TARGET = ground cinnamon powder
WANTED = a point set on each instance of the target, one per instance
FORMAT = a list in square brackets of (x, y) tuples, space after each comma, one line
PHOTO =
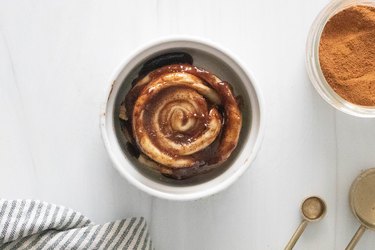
[(347, 54)]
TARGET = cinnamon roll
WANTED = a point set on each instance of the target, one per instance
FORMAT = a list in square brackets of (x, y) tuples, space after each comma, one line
[(180, 119)]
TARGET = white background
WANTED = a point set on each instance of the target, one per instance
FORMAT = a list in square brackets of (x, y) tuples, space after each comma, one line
[(55, 59)]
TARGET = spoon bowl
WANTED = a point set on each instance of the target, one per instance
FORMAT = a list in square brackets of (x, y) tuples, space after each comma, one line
[(313, 208), (362, 202)]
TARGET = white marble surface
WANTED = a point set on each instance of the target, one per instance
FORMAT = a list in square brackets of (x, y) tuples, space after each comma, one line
[(55, 58)]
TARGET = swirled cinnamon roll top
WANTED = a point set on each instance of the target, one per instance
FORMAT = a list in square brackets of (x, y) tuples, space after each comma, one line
[(183, 120)]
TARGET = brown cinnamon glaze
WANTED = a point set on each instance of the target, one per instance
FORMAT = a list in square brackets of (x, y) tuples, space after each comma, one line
[(181, 120)]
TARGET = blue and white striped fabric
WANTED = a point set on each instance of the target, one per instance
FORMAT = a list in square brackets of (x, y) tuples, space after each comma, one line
[(28, 224)]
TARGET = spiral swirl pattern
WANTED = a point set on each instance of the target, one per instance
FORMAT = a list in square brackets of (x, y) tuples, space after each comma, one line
[(183, 117)]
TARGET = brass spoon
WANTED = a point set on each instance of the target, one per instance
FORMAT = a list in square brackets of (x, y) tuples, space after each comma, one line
[(313, 209), (362, 201)]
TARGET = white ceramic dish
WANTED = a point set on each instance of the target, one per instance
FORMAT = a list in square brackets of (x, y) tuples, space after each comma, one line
[(215, 59)]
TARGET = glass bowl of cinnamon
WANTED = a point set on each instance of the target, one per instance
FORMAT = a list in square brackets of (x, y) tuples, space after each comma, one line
[(340, 56)]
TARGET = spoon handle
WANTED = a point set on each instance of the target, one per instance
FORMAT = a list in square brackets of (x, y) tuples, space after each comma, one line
[(296, 235), (356, 238)]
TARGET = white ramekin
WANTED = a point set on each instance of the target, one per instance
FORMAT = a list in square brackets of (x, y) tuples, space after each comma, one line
[(222, 63)]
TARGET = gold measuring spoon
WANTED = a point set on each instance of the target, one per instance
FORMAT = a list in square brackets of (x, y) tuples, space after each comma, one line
[(313, 209), (362, 201)]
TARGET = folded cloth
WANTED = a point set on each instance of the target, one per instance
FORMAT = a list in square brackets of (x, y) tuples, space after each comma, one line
[(29, 224)]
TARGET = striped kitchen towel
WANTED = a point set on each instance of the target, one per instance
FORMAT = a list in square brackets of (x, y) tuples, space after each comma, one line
[(29, 224)]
